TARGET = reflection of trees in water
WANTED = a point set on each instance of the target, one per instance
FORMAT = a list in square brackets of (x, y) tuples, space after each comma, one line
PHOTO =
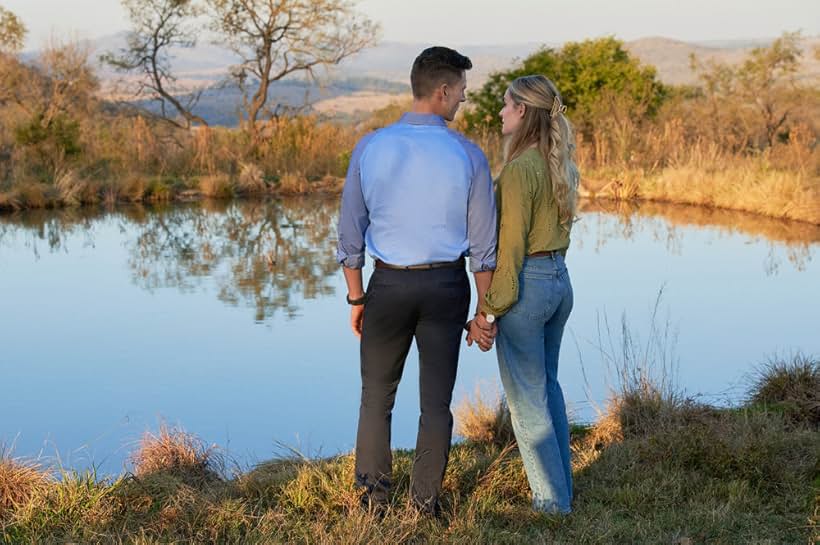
[(608, 220), (267, 254), (49, 228), (262, 253)]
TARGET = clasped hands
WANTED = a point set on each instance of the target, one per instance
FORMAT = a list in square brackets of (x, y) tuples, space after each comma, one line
[(481, 332)]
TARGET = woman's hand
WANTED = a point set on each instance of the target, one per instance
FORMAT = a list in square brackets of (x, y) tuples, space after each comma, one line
[(481, 332)]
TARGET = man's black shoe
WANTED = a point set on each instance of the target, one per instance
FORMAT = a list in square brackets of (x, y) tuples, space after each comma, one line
[(373, 506), (428, 508)]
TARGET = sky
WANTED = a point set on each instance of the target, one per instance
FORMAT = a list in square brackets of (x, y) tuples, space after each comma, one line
[(486, 22)]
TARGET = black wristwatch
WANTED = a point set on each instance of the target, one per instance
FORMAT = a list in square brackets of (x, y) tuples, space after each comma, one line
[(356, 302)]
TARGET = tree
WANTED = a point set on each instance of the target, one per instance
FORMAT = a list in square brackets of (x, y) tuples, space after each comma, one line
[(766, 79), (764, 83), (590, 75), (45, 102), (12, 32), (158, 26), (276, 38), (58, 96)]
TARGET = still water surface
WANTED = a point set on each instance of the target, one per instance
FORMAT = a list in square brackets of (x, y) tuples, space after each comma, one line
[(228, 319)]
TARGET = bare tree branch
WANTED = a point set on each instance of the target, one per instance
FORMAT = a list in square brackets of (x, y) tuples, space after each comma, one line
[(157, 26), (276, 38)]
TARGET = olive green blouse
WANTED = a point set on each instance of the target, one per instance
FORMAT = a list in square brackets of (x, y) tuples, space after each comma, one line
[(528, 223)]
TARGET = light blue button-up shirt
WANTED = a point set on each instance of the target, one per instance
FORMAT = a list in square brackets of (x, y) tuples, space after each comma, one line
[(417, 192)]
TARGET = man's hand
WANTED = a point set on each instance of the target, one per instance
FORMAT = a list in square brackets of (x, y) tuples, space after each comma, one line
[(353, 279), (482, 333), (356, 319)]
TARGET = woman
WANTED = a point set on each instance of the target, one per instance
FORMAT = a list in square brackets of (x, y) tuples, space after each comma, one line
[(531, 295)]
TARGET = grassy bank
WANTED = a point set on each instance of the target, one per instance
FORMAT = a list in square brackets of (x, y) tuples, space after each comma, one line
[(133, 160), (748, 185), (655, 468)]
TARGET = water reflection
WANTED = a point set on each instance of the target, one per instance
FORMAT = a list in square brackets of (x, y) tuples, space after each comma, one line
[(268, 255), (48, 227), (665, 223), (259, 254)]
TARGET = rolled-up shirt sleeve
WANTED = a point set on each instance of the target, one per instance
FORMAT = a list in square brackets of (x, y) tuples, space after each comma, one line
[(481, 219), (353, 217)]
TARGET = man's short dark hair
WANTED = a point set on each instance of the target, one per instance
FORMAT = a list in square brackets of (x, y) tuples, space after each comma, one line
[(435, 66)]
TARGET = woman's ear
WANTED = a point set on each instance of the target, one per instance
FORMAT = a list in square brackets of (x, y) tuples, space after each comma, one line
[(521, 109)]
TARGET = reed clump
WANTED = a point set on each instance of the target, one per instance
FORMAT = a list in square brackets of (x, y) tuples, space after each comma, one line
[(791, 386), (175, 451), (20, 482), (482, 421)]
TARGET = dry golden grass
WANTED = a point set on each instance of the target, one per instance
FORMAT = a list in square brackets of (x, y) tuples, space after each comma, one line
[(251, 179), (73, 190), (749, 186), (20, 481), (482, 421), (173, 450), (606, 431), (31, 195), (216, 186), (293, 183)]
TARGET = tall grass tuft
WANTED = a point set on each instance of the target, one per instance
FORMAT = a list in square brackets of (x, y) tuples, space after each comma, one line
[(480, 421), (174, 451), (791, 386), (216, 186), (251, 179), (20, 481), (644, 392), (73, 190)]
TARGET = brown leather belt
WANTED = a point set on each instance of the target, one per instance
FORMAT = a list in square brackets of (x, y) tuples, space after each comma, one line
[(550, 253), (424, 267)]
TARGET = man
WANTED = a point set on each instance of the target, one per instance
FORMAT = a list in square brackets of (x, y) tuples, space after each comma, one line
[(419, 197)]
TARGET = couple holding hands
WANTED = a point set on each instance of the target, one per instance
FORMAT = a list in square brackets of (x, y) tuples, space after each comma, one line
[(419, 197)]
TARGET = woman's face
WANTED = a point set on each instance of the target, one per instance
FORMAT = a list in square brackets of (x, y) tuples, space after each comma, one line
[(511, 115)]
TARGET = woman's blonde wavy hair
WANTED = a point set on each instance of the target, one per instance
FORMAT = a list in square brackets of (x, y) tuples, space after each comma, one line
[(545, 126)]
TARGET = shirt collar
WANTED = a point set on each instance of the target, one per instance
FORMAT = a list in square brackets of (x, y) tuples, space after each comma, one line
[(423, 119)]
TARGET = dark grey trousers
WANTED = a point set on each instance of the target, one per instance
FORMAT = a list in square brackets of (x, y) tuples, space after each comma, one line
[(430, 306)]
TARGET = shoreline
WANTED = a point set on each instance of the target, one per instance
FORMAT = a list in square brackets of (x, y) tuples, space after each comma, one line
[(654, 468), (622, 189)]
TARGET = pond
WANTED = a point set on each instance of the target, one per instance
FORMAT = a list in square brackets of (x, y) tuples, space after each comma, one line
[(228, 319)]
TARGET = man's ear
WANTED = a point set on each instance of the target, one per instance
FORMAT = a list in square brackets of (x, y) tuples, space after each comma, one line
[(442, 91)]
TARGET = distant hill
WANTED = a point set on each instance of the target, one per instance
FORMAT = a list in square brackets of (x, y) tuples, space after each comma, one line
[(221, 105), (376, 74), (671, 57), (392, 60)]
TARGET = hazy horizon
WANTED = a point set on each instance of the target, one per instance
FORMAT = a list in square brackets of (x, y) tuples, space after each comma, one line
[(466, 23)]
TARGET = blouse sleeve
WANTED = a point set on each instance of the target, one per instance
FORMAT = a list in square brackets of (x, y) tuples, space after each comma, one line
[(514, 200)]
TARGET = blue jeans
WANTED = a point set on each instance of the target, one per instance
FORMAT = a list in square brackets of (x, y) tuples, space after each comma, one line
[(528, 342)]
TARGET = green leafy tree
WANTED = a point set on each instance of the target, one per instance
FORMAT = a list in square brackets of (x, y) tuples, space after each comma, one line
[(592, 75), (12, 32)]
